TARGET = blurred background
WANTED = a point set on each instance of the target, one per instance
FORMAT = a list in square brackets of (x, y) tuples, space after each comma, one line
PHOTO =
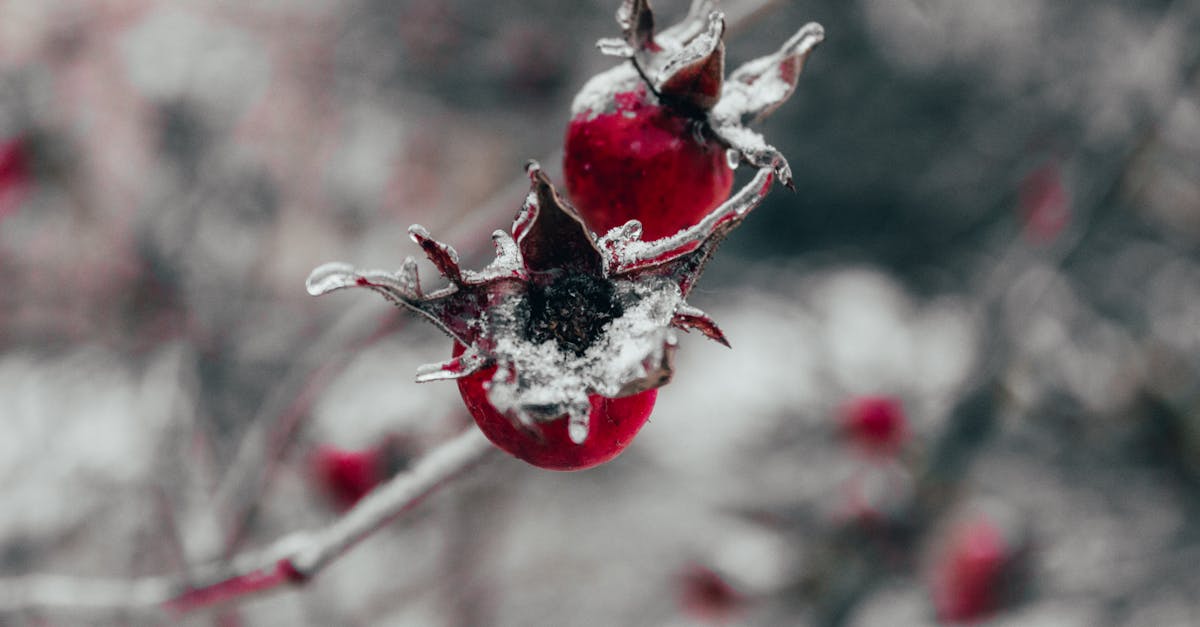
[(965, 376)]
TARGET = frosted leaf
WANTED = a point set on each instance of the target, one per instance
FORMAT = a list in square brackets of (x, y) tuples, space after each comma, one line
[(751, 146), (757, 88), (688, 317), (691, 26), (507, 264), (623, 253), (610, 47), (329, 277), (465, 364), (637, 23), (693, 75), (442, 255)]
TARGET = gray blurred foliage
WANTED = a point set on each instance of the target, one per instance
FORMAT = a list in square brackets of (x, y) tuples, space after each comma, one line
[(190, 163)]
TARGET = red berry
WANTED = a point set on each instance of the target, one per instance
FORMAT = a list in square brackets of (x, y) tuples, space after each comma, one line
[(562, 339), (643, 161), (876, 423), (705, 596), (1045, 204), (975, 574), (652, 140), (15, 174), (613, 424), (345, 476)]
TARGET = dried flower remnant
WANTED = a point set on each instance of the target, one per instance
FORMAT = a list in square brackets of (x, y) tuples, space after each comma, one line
[(668, 125), (564, 331)]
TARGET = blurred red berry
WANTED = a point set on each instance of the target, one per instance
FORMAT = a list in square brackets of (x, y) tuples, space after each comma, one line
[(705, 596), (653, 139), (345, 476), (974, 574), (16, 174), (1045, 203), (875, 423)]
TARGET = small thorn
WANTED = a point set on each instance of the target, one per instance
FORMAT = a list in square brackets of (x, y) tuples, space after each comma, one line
[(442, 255)]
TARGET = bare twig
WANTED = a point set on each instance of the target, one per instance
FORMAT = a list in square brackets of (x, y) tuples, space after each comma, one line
[(291, 560)]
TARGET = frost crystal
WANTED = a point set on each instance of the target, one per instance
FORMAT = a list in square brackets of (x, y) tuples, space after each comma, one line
[(561, 313)]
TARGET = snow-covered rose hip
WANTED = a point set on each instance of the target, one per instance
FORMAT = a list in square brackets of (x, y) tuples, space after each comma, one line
[(654, 139), (561, 341)]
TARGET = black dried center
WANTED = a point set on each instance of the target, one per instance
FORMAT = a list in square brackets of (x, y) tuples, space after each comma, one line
[(572, 310)]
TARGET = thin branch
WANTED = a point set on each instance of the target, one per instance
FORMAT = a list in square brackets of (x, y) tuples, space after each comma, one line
[(291, 560)]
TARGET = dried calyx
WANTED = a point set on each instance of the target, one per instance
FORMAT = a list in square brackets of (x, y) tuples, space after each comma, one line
[(684, 67), (561, 313)]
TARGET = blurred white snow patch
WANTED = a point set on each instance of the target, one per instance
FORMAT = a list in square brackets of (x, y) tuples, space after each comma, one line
[(865, 318), (365, 160), (925, 34), (1061, 343), (77, 426), (758, 560), (1111, 61), (177, 54), (1055, 613), (723, 400), (878, 340), (800, 353), (376, 393), (897, 603)]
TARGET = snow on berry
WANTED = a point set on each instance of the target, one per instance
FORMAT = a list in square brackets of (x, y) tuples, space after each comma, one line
[(656, 139), (559, 318)]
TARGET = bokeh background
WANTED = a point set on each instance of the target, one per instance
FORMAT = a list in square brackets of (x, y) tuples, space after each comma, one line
[(965, 382)]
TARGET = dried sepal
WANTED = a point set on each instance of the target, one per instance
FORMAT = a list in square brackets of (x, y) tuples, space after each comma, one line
[(683, 254), (688, 317), (561, 315), (693, 76), (758, 87), (550, 233)]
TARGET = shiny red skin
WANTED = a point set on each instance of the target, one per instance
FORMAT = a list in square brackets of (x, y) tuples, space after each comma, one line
[(614, 423), (643, 161)]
